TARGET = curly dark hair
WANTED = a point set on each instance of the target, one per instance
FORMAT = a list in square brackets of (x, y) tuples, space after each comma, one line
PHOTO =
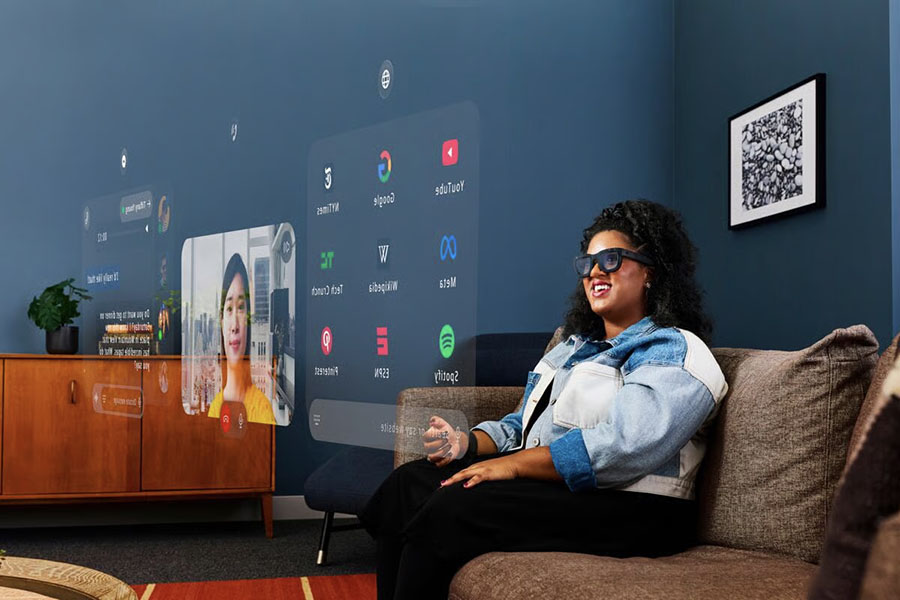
[(674, 299)]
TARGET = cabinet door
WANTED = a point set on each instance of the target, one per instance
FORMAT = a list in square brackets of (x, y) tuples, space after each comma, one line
[(182, 451), (61, 437), (1, 426)]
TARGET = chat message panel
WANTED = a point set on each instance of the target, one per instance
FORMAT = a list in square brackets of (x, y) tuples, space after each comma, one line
[(126, 249)]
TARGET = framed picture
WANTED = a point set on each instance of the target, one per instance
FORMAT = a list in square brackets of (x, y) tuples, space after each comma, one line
[(776, 155)]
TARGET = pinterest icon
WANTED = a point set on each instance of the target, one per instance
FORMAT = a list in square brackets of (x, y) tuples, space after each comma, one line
[(327, 341)]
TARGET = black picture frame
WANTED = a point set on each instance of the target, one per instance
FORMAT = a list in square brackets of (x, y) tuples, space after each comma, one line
[(776, 155)]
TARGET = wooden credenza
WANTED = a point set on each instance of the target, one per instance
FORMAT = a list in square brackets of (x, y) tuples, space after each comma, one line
[(89, 429)]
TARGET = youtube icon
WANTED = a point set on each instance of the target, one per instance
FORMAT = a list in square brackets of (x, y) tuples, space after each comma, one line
[(450, 153)]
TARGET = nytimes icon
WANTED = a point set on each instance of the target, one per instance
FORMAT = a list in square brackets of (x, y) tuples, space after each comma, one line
[(328, 177)]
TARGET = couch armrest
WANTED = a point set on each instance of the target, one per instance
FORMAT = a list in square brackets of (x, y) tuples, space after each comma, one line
[(881, 578), (477, 404)]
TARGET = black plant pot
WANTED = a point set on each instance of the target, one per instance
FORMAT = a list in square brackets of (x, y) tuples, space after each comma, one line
[(63, 340)]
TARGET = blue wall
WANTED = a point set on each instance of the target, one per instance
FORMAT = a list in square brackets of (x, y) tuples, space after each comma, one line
[(895, 154), (788, 283), (575, 108)]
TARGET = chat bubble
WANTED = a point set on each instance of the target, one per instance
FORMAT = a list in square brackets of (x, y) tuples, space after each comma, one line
[(134, 207), (104, 277)]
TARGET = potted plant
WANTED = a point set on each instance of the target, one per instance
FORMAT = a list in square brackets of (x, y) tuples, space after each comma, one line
[(54, 310)]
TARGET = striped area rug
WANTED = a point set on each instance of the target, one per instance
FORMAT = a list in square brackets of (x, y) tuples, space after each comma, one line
[(325, 587)]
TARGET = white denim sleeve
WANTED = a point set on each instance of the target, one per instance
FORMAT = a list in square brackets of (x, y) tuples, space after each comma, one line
[(653, 415)]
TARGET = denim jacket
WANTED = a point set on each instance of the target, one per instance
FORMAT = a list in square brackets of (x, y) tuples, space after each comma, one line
[(630, 413)]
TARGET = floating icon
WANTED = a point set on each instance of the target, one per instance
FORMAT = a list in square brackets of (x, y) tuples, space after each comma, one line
[(448, 247), (328, 177), (123, 159), (446, 341), (381, 341), (234, 131), (384, 166), (287, 245), (450, 153), (385, 79), (327, 341), (384, 249)]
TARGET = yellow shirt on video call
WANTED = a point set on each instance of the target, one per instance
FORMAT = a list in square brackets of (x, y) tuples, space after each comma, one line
[(258, 407)]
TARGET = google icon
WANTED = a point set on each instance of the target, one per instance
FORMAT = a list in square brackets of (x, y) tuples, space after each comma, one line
[(384, 166)]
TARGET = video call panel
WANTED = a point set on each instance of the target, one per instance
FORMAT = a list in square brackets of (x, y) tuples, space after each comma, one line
[(238, 321), (392, 252)]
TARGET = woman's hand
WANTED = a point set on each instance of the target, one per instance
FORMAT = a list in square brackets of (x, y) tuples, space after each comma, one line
[(443, 443), (495, 469)]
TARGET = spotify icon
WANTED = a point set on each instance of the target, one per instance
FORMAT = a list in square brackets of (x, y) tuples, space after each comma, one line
[(446, 341)]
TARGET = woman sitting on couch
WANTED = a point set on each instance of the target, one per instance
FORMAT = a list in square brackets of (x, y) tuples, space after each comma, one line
[(602, 456)]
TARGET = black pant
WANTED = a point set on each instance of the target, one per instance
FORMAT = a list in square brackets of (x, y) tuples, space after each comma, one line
[(425, 533)]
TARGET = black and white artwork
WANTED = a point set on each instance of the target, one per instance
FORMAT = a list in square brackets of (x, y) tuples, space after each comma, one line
[(775, 155)]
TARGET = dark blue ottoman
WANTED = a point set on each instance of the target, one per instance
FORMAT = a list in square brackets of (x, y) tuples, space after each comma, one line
[(344, 484)]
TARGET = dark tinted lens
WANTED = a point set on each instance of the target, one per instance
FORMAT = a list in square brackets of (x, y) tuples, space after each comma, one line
[(583, 265), (608, 261)]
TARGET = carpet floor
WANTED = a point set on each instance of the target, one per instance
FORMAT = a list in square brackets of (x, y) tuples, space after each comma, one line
[(197, 552), (335, 587)]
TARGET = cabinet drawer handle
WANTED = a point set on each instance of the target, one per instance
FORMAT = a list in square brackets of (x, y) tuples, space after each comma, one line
[(72, 391)]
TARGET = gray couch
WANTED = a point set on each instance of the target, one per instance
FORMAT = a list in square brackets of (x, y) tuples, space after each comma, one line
[(772, 467)]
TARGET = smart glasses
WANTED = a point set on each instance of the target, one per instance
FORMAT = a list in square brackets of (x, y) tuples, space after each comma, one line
[(608, 260)]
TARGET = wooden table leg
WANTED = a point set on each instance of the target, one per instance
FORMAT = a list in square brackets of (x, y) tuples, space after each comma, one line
[(266, 502)]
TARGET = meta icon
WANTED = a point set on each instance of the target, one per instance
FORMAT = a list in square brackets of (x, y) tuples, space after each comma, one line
[(327, 341), (446, 341), (448, 247), (450, 153), (384, 166), (381, 341)]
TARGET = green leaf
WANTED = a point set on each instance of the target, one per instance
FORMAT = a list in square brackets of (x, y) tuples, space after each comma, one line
[(54, 307)]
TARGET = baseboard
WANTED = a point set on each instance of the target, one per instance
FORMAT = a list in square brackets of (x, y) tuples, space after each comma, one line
[(292, 508), (284, 508)]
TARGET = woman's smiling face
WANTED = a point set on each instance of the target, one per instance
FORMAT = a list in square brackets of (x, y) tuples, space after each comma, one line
[(618, 297), (234, 321)]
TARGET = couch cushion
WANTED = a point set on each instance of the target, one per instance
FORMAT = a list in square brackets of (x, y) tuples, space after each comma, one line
[(556, 339), (873, 397), (869, 493), (780, 442), (701, 573)]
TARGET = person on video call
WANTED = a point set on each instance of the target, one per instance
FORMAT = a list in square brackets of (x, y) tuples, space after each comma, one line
[(602, 456), (237, 386)]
